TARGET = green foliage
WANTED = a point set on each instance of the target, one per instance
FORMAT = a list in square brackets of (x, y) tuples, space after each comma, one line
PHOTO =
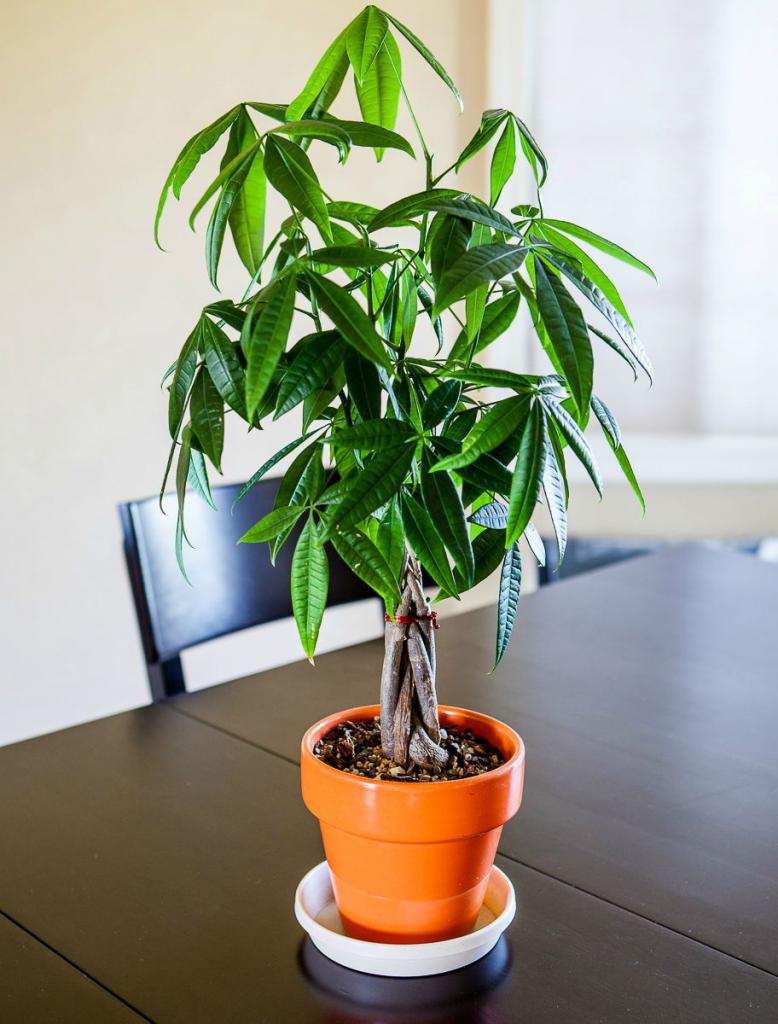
[(448, 456)]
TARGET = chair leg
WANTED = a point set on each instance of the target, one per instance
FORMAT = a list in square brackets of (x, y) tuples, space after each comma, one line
[(166, 679)]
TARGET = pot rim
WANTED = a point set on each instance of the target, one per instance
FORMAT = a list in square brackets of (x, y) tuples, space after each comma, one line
[(370, 711)]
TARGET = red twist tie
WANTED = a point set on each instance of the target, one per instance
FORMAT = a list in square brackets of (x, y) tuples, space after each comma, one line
[(407, 620)]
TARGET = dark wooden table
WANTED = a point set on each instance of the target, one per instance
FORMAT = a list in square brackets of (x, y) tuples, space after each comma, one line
[(148, 861)]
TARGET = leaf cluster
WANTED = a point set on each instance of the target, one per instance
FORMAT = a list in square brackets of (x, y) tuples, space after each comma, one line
[(448, 456)]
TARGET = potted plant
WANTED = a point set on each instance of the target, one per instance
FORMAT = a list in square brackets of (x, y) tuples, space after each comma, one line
[(408, 462)]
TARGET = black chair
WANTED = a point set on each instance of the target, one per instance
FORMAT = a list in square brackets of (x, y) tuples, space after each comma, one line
[(233, 586)]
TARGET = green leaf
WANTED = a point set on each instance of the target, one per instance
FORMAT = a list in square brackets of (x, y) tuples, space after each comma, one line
[(508, 600), (208, 416), (379, 481), (503, 162), (483, 377), (264, 337), (607, 420), (441, 403), (498, 317), (424, 537), (328, 69), (448, 240), (223, 365), (389, 537), (182, 478), (226, 205), (478, 266), (324, 131), (197, 478), (353, 256), (364, 385), (290, 172), (625, 331), (274, 523), (398, 213), (444, 504), (228, 170), (364, 38), (593, 239), (310, 583), (536, 545), (366, 561), (575, 438), (490, 122), (183, 376), (428, 56), (247, 215), (618, 346), (500, 422), (595, 273), (493, 516), (226, 310), (555, 493), (532, 152), (351, 320), (485, 472), (320, 355), (527, 474), (271, 462), (627, 470), (567, 334), (374, 434), (188, 158), (362, 133), (379, 90), (488, 551), (352, 213)]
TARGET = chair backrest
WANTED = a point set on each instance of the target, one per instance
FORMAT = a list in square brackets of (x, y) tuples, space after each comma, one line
[(232, 586)]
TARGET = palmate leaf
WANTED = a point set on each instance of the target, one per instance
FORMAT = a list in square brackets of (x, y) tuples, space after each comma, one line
[(189, 157), (207, 411), (366, 561), (310, 583), (378, 92), (263, 339), (332, 63), (223, 365), (228, 170), (356, 255), (364, 38), (446, 201), (379, 481), (364, 384), (440, 403), (422, 49), (351, 320), (611, 314), (532, 152), (290, 172), (476, 299), (527, 474), (573, 435), (487, 129), (325, 131), (278, 521), (567, 333), (508, 600), (478, 266), (444, 504), (389, 538), (319, 358), (226, 204), (424, 538), (501, 421), (603, 244)]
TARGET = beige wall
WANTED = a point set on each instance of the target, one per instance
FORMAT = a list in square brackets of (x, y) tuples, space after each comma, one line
[(97, 98)]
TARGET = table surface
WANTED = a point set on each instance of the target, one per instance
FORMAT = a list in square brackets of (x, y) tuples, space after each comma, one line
[(148, 860)]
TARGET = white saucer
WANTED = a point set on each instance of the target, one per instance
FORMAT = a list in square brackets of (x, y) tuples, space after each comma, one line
[(314, 907)]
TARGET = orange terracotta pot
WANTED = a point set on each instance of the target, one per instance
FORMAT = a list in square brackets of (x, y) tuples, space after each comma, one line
[(410, 861)]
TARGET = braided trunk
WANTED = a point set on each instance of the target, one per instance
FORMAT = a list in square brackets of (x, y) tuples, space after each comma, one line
[(410, 728)]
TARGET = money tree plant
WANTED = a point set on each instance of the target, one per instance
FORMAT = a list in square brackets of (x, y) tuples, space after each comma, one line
[(415, 458)]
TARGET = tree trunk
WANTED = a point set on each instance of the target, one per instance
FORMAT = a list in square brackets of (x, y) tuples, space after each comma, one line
[(410, 728)]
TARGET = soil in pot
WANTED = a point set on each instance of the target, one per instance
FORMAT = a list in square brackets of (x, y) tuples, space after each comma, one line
[(355, 748)]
